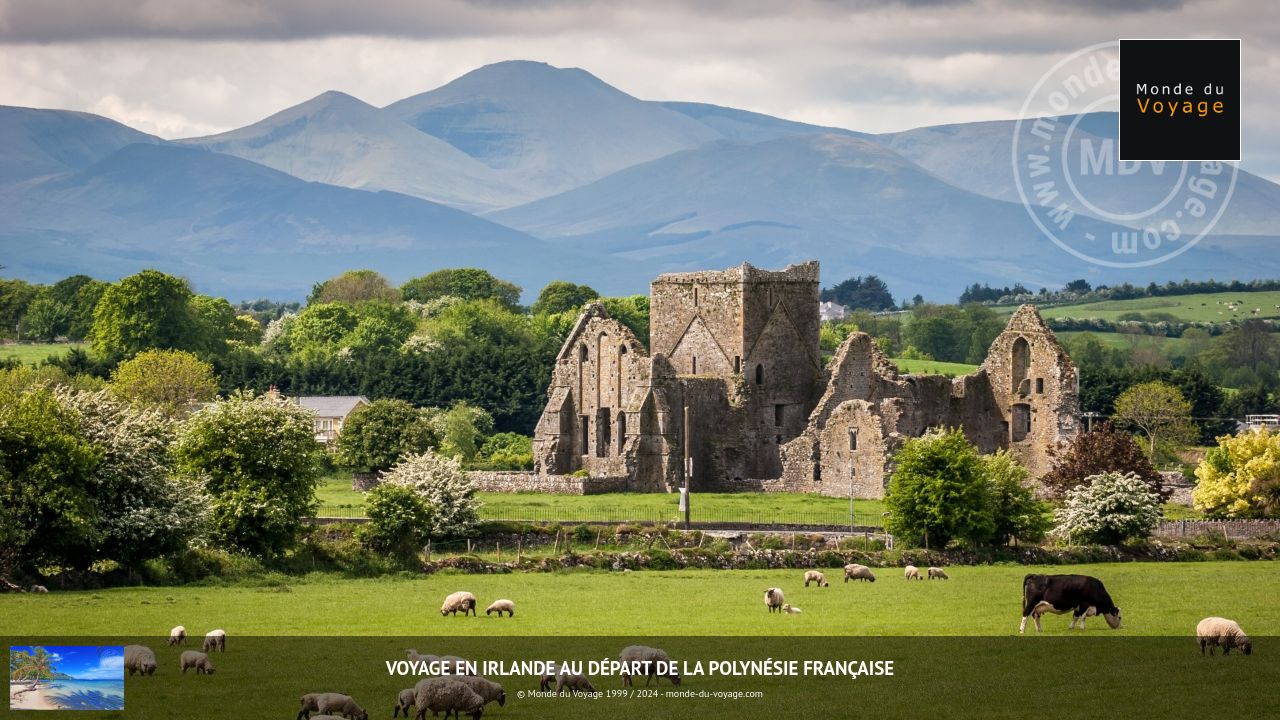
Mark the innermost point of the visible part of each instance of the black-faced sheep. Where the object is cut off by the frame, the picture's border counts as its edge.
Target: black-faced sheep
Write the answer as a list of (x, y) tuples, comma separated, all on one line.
[(937, 573), (215, 640), (1214, 632), (650, 657), (449, 695), (815, 576), (139, 659), (773, 599), (501, 606), (404, 701), (177, 636), (854, 571), (461, 601), (911, 572), (197, 660), (331, 703)]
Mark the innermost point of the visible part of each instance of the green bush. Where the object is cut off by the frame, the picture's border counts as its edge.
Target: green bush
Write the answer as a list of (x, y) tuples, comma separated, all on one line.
[(399, 520), (939, 492)]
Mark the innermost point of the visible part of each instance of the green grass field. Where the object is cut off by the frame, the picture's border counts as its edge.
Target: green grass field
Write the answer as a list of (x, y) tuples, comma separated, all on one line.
[(32, 353), (1167, 346), (1204, 307), (934, 367)]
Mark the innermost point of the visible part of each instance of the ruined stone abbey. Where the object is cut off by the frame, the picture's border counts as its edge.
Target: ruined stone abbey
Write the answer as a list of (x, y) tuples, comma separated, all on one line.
[(736, 352)]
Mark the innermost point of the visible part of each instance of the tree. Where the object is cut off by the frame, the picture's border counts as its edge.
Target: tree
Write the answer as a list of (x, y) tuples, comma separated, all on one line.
[(257, 458), (46, 317), (353, 287), (15, 296), (144, 311), (464, 283), (1016, 511), (869, 293), (506, 451), (1111, 509), (939, 491), (1159, 411), (377, 435), (1078, 286), (400, 521), (462, 430), (171, 381), (445, 490), (560, 296), (632, 311), (320, 328), (1104, 449), (1240, 478)]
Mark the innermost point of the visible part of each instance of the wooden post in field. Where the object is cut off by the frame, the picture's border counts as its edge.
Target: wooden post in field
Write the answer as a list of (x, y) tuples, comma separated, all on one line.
[(498, 547), (468, 546), (519, 549), (598, 533)]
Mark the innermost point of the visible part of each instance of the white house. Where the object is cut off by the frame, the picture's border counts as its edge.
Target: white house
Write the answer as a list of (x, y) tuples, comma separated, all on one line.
[(331, 412)]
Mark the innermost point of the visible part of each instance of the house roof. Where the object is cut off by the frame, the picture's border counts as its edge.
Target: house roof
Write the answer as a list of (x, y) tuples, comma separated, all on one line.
[(332, 406)]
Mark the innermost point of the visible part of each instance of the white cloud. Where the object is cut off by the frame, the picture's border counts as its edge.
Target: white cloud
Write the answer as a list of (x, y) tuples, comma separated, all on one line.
[(110, 667)]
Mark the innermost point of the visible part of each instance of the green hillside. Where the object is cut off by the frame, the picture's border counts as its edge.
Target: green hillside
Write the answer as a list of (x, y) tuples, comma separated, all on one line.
[(1204, 307), (32, 353)]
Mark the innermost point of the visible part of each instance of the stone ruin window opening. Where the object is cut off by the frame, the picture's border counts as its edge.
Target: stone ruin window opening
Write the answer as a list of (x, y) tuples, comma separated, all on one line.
[(779, 413), (695, 296), (604, 426), (583, 354), (1021, 421), (737, 363), (759, 374), (585, 431), (622, 430), (1020, 364), (695, 364), (1039, 386), (853, 439)]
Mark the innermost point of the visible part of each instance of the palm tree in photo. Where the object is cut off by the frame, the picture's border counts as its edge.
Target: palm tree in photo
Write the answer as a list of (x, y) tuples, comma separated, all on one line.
[(35, 666)]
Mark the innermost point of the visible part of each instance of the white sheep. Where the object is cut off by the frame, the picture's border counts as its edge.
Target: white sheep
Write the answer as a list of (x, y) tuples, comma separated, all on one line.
[(574, 683), (177, 636), (215, 640), (139, 659), (815, 576), (1213, 632), (501, 606), (331, 703), (403, 702), (39, 589), (447, 694), (453, 665), (911, 572), (650, 656), (791, 609), (773, 599), (937, 573), (853, 571), (197, 660), (484, 687), (460, 601)]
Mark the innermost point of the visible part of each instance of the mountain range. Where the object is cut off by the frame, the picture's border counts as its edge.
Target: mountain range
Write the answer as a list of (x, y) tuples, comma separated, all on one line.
[(540, 173)]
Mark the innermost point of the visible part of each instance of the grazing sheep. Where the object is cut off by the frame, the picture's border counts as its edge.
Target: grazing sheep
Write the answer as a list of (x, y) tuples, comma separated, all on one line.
[(937, 573), (911, 572), (447, 694), (215, 639), (403, 702), (39, 589), (858, 572), (484, 687), (139, 659), (651, 657), (460, 601), (177, 636), (815, 576), (501, 606), (574, 684), (1213, 632), (553, 671), (197, 660), (453, 665), (415, 657), (791, 609), (773, 599), (331, 703)]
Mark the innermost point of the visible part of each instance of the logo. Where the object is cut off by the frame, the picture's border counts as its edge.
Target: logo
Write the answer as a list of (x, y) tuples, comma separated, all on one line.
[(1082, 196)]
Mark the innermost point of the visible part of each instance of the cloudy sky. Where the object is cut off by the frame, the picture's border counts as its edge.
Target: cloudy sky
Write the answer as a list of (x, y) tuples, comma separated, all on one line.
[(178, 68)]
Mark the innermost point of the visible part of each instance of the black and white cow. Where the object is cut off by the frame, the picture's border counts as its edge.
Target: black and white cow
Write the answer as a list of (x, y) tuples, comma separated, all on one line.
[(1080, 595)]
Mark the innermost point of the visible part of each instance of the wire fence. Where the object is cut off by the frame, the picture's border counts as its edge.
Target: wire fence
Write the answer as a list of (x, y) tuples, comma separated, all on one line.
[(650, 516)]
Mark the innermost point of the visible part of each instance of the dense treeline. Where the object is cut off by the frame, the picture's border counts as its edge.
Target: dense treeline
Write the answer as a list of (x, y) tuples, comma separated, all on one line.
[(1080, 291)]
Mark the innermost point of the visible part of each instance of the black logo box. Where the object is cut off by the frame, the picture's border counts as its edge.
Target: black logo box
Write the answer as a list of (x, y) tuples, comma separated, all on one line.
[(1185, 67)]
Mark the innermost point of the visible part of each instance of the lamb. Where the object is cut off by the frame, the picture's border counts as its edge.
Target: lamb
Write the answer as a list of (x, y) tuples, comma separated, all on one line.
[(447, 694), (651, 657), (773, 599), (815, 576), (405, 701), (1213, 632), (937, 573), (484, 687), (574, 683), (197, 660), (215, 639), (459, 601), (858, 572), (139, 659), (501, 606), (911, 572), (177, 636), (331, 703), (791, 609)]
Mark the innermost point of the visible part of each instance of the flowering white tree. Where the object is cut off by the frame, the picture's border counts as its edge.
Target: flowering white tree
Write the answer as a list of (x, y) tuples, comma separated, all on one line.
[(444, 487), (1109, 509)]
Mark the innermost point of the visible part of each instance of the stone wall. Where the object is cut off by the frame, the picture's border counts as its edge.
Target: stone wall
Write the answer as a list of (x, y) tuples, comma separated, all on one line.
[(530, 481), (1232, 529)]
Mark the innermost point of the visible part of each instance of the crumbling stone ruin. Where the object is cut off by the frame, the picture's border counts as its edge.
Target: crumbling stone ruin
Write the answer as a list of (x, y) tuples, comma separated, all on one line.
[(736, 352)]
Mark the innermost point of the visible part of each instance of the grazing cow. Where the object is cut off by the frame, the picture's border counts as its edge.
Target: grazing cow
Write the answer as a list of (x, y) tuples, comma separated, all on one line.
[(1081, 595)]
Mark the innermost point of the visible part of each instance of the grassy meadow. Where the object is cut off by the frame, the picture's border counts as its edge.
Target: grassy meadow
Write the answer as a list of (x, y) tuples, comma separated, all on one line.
[(933, 367), (1202, 307), (32, 353)]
